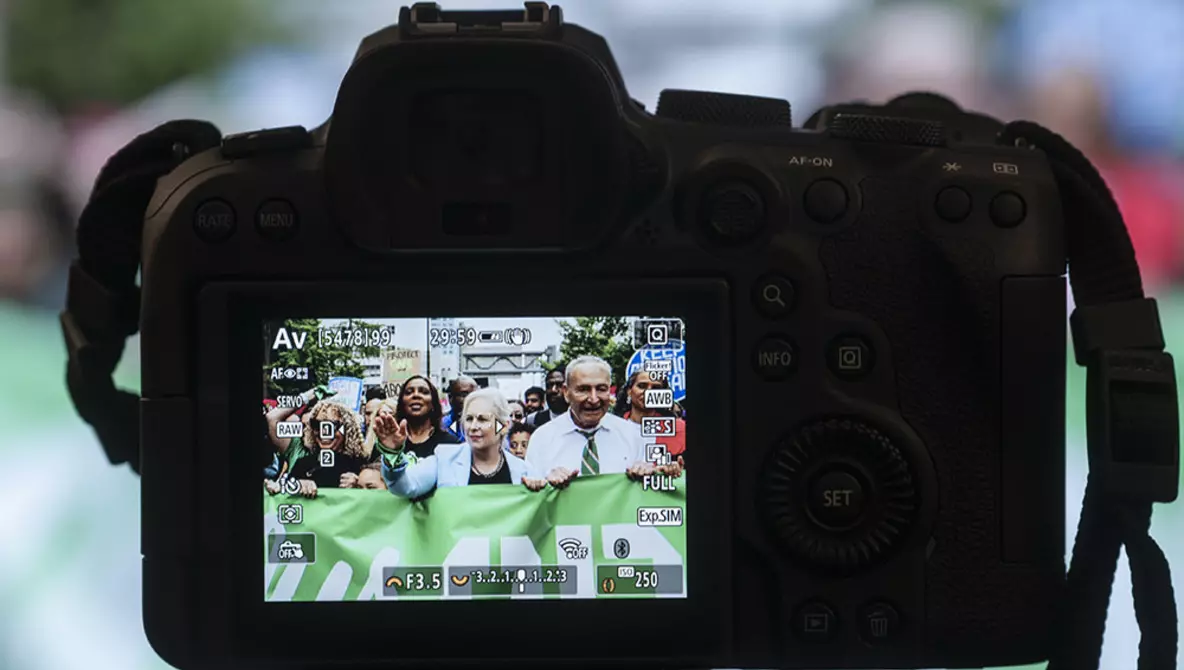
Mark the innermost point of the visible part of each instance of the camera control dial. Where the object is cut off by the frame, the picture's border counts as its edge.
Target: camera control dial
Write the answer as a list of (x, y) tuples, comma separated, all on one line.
[(837, 495), (887, 129), (723, 109)]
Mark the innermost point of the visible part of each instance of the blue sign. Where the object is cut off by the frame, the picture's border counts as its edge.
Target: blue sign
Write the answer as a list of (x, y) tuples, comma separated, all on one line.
[(670, 360), (349, 392)]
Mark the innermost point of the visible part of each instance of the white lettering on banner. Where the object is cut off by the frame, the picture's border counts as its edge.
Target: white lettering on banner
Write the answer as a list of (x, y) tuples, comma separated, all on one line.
[(468, 551), (585, 566), (520, 551), (644, 543), (336, 582)]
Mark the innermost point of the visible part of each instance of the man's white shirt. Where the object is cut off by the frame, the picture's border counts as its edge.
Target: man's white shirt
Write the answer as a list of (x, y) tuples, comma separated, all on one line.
[(558, 443)]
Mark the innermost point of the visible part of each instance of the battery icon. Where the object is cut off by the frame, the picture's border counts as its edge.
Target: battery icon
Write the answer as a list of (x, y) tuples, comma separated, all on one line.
[(489, 336)]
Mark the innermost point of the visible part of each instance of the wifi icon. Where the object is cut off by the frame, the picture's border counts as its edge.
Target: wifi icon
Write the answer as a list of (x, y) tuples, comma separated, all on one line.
[(573, 549)]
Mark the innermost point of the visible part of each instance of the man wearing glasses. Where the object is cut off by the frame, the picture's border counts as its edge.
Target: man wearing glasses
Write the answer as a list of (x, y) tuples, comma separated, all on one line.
[(588, 439)]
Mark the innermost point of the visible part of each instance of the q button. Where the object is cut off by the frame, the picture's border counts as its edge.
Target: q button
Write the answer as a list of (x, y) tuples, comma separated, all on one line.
[(773, 296)]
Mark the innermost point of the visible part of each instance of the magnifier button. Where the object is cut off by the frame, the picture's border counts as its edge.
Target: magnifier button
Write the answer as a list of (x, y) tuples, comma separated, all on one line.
[(773, 297)]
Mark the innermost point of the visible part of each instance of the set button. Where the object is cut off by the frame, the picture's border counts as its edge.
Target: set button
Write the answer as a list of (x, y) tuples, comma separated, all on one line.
[(835, 499)]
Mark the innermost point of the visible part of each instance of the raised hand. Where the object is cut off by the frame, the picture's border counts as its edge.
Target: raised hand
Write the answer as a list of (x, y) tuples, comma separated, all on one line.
[(322, 391), (392, 433), (534, 484), (673, 470), (560, 477), (640, 469)]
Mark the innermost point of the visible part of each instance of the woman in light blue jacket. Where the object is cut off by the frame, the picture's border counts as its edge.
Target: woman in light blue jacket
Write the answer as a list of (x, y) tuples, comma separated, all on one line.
[(480, 460)]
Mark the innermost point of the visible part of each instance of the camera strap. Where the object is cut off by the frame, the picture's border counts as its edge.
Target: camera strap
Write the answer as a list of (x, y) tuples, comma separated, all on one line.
[(1133, 425), (1133, 434), (102, 298)]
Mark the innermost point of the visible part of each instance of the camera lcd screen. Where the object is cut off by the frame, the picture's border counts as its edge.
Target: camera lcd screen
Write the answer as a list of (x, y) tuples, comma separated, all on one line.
[(474, 458)]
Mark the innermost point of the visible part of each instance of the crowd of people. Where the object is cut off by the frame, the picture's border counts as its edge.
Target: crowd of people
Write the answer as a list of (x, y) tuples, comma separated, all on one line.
[(581, 424)]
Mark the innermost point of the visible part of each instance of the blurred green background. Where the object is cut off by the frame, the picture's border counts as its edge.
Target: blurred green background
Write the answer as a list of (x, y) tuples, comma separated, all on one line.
[(82, 77)]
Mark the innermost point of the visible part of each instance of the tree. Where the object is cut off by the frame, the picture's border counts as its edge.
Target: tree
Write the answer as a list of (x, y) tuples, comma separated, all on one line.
[(609, 337), (78, 54), (324, 357)]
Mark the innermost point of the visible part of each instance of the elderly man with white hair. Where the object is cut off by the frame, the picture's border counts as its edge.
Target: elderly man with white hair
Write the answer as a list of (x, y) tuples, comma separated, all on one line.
[(588, 439)]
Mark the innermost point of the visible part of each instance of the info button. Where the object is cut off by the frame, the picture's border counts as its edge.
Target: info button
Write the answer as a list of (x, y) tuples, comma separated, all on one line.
[(774, 358)]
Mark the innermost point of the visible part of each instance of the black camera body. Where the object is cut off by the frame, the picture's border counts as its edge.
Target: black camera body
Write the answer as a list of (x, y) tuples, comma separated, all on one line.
[(878, 464)]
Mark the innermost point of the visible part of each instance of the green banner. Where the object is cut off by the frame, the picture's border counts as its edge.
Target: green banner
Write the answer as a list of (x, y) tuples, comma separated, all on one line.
[(603, 536)]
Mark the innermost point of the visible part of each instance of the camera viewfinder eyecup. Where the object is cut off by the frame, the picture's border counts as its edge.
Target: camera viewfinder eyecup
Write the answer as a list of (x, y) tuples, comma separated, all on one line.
[(452, 132)]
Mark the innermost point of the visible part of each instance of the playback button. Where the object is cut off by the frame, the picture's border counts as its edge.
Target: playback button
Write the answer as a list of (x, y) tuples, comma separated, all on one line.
[(814, 622)]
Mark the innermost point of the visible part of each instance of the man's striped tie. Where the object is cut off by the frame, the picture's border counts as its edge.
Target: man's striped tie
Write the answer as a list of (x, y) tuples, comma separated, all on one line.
[(590, 463)]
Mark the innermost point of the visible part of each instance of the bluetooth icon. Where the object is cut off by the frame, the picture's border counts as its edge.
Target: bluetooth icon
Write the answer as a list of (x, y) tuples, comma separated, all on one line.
[(621, 548)]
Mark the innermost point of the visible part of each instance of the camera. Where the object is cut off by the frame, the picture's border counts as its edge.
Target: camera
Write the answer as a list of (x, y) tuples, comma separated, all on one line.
[(871, 307)]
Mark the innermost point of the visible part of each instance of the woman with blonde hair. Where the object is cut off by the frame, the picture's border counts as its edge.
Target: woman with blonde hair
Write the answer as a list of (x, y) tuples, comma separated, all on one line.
[(479, 460)]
